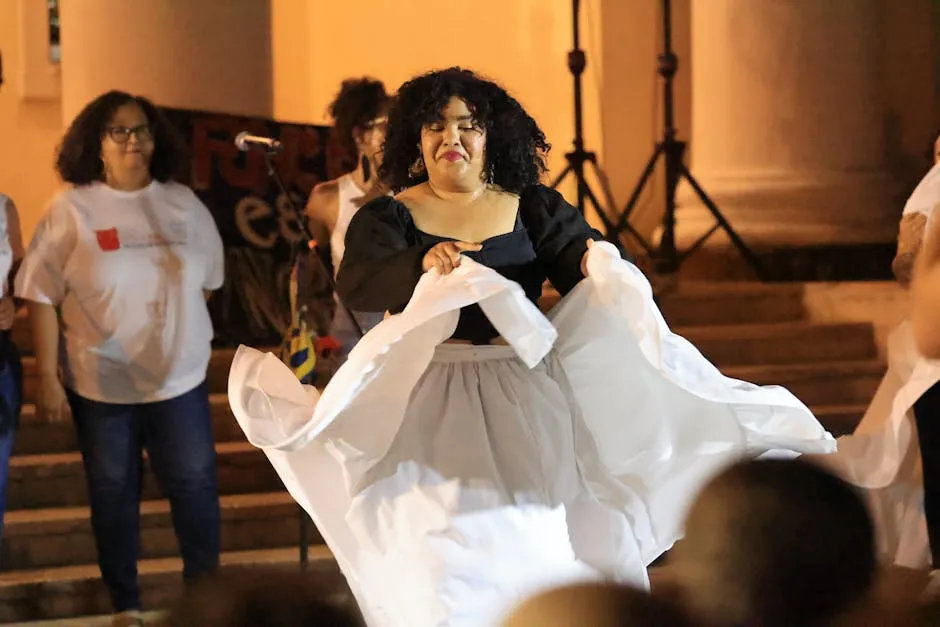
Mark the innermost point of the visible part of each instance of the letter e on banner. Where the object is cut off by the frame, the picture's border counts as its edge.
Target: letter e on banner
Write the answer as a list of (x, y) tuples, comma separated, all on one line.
[(248, 211)]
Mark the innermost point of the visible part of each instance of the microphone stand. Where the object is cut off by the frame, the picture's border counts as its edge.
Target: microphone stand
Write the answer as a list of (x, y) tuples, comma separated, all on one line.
[(314, 247), (311, 242)]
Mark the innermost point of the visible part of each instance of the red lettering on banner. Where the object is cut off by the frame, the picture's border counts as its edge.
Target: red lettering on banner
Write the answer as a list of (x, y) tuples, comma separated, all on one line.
[(206, 148)]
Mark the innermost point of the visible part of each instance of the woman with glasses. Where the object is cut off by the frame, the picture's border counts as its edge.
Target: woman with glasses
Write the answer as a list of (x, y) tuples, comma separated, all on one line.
[(116, 276), (358, 113)]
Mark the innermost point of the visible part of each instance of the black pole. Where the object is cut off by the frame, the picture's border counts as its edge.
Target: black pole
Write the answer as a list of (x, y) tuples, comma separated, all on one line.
[(311, 245), (668, 66), (577, 61)]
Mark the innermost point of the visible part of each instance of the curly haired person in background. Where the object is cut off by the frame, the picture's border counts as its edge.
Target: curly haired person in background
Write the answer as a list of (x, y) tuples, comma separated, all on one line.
[(359, 114)]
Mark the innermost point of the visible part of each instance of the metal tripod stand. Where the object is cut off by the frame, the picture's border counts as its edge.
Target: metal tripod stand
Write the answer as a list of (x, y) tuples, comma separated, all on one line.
[(308, 243), (579, 157), (667, 257)]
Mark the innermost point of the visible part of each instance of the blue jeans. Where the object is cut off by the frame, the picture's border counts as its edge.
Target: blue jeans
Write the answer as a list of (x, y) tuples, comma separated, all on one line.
[(11, 401), (177, 435)]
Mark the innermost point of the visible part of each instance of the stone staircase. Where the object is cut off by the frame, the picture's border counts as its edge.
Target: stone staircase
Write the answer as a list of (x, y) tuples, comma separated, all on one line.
[(47, 560)]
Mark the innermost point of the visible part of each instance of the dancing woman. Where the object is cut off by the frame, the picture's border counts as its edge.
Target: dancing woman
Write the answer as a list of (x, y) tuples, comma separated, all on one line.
[(471, 450)]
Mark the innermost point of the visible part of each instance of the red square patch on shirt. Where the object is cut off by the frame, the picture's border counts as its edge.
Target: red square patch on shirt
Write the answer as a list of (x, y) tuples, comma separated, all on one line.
[(108, 239)]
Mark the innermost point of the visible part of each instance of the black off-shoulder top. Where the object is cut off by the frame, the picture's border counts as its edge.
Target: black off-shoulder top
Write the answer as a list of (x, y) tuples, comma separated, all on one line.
[(384, 250)]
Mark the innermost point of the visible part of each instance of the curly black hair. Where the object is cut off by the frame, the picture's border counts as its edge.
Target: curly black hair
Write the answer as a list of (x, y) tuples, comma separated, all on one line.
[(516, 147), (78, 158), (359, 101)]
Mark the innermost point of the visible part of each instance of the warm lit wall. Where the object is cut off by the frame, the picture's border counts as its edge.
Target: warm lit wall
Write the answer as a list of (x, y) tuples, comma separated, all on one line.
[(909, 79), (287, 57), (207, 55), (523, 44), (29, 128), (910, 76)]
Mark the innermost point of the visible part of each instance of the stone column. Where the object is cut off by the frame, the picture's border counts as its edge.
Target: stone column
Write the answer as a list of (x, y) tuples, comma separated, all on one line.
[(787, 123), (210, 55)]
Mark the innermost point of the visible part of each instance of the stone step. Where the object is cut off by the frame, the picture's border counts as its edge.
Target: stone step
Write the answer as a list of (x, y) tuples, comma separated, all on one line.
[(36, 437), (783, 343), (66, 592), (840, 419), (101, 620), (732, 303), (822, 383), (219, 365), (720, 303), (46, 538), (58, 479)]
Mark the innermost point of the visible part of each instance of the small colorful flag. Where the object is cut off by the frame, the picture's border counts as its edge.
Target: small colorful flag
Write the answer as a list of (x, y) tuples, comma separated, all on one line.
[(299, 350)]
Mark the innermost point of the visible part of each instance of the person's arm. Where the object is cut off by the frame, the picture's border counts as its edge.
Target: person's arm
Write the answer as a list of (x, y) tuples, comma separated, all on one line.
[(910, 237), (382, 264), (45, 323), (41, 282), (925, 294), (559, 234), (321, 210), (211, 241), (11, 253)]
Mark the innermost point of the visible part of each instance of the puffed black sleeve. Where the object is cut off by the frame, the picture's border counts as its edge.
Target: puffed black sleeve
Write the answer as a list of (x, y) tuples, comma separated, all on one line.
[(382, 262), (559, 233)]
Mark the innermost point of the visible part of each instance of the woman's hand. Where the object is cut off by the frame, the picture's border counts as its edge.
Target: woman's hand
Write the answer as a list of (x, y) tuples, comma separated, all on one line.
[(446, 256), (584, 257), (51, 404), (7, 312)]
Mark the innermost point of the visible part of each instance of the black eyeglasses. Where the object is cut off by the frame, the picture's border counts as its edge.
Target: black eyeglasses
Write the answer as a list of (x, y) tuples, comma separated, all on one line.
[(378, 123), (122, 134)]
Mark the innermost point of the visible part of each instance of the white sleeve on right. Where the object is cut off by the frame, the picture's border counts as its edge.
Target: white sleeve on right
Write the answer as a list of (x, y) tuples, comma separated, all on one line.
[(6, 245), (41, 277)]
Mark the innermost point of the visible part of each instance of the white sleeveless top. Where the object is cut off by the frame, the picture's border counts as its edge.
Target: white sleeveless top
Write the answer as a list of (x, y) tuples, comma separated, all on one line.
[(348, 193)]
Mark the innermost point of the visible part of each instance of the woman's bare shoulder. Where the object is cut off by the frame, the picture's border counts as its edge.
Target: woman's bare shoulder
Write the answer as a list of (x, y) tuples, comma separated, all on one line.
[(323, 198)]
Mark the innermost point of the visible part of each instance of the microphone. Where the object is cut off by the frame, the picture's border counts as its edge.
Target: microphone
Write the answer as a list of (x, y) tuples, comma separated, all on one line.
[(245, 141)]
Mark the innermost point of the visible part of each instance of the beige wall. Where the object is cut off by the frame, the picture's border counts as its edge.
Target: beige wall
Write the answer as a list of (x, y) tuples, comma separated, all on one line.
[(522, 44), (203, 55), (909, 73), (909, 53), (286, 58), (29, 128)]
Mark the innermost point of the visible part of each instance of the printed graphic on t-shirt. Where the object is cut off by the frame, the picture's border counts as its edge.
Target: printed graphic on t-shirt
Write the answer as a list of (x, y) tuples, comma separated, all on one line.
[(174, 233), (108, 239)]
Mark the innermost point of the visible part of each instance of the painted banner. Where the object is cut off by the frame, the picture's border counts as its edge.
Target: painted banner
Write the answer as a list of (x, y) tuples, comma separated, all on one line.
[(258, 228)]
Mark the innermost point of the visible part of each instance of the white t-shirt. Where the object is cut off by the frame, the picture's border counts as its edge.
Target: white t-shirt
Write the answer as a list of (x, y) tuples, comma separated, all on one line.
[(926, 195), (127, 270), (11, 241)]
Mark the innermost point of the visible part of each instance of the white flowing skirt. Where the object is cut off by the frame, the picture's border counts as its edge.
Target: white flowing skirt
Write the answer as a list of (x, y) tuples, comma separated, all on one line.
[(883, 458), (452, 481)]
